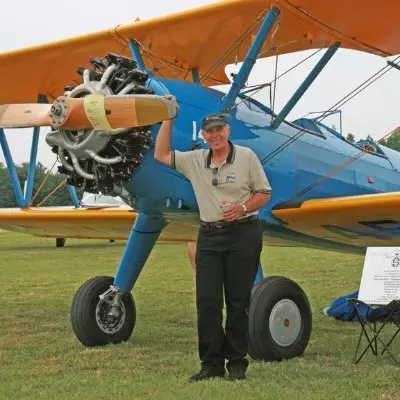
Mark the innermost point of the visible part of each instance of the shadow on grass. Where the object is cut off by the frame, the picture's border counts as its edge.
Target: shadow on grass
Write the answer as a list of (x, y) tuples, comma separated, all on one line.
[(76, 246), (67, 247)]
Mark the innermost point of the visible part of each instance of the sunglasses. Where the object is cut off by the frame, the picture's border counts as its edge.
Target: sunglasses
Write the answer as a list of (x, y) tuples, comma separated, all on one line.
[(215, 177)]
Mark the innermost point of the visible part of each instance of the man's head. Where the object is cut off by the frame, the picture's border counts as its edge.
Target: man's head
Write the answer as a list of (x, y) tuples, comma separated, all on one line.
[(216, 131)]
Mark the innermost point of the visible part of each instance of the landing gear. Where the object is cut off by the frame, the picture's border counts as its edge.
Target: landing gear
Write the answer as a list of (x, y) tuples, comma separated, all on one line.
[(280, 320), (103, 310), (100, 314)]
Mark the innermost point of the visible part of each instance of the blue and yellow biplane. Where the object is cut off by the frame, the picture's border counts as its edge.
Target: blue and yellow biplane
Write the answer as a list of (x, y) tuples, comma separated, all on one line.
[(326, 191)]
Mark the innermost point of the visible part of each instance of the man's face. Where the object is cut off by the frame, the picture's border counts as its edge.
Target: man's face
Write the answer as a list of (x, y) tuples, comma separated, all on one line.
[(217, 138)]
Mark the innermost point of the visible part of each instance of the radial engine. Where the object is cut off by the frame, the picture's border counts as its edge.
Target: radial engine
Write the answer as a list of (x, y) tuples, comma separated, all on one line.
[(99, 161)]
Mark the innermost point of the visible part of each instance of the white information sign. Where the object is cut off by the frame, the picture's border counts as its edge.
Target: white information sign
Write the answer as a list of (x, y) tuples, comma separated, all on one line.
[(380, 281)]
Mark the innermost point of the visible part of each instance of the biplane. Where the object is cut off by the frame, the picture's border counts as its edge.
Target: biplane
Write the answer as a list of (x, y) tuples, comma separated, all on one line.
[(326, 191)]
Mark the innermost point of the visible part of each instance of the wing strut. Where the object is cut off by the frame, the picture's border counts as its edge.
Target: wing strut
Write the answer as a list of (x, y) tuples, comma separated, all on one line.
[(137, 56), (12, 173), (241, 77), (32, 162), (306, 84)]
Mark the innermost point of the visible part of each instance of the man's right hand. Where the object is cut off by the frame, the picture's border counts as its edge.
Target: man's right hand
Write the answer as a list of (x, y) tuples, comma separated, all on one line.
[(162, 151), (173, 98)]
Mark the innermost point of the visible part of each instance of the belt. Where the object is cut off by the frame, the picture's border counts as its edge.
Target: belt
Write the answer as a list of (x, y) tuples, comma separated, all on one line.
[(222, 224)]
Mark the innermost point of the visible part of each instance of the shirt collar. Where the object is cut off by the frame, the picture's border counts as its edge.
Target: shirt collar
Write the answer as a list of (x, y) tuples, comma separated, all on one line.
[(229, 159)]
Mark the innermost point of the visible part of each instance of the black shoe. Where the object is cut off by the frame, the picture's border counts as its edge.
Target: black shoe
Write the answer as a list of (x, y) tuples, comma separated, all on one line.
[(237, 373), (207, 373)]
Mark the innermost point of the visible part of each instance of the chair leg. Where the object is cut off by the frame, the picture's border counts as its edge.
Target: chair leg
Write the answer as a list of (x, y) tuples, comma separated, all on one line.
[(370, 342), (357, 348), (391, 340), (375, 349), (386, 345)]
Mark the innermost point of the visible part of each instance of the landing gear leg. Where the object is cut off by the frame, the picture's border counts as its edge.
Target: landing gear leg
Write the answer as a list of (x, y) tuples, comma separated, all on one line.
[(60, 242)]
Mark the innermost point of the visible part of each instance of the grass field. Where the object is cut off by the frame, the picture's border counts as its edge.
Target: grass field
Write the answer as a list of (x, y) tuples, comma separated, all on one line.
[(40, 357)]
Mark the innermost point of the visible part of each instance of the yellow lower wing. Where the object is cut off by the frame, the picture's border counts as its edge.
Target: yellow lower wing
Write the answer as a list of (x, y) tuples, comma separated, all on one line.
[(368, 220), (371, 220), (65, 222)]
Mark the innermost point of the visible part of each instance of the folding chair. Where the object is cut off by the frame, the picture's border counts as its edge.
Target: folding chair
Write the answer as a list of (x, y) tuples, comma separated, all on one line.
[(378, 304), (373, 325)]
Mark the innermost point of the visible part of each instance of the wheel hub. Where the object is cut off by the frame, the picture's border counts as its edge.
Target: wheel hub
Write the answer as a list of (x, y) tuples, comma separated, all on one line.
[(109, 316), (285, 322)]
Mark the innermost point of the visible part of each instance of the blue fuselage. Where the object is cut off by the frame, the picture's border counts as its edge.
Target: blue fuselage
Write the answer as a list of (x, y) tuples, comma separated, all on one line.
[(296, 173)]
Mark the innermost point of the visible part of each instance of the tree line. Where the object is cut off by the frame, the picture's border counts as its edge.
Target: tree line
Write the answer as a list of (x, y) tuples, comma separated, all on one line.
[(60, 198), (393, 141)]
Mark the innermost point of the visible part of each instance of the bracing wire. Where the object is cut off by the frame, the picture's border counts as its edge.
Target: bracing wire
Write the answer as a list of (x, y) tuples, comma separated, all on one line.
[(335, 170), (368, 82), (261, 86), (43, 182), (277, 30), (235, 45), (354, 158), (326, 113), (52, 192)]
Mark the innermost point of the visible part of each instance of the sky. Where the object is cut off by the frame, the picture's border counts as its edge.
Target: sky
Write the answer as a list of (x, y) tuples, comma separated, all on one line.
[(374, 112)]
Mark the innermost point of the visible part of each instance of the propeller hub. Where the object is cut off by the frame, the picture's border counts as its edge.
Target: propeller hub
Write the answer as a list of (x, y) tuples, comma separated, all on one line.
[(59, 111)]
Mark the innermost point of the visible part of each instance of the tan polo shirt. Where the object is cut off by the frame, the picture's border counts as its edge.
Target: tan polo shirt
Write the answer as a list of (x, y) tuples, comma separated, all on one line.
[(239, 178)]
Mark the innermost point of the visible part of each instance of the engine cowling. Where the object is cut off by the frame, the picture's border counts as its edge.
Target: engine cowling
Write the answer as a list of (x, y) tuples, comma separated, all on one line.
[(100, 161)]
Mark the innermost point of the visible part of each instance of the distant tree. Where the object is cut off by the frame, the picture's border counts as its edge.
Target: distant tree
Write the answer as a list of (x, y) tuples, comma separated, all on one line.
[(392, 142), (60, 198), (370, 138), (7, 198), (350, 138)]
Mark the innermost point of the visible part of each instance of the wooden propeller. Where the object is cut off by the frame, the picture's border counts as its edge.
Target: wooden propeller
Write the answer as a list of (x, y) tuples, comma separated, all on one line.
[(93, 111)]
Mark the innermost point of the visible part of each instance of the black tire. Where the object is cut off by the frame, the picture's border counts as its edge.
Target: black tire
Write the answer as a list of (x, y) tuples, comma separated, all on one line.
[(87, 311), (60, 242), (255, 287), (251, 350), (280, 298)]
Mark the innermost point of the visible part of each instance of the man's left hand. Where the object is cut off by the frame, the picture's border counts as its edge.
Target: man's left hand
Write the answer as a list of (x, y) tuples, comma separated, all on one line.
[(232, 213)]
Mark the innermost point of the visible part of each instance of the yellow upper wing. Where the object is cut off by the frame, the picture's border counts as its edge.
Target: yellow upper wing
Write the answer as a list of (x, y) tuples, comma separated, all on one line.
[(176, 43)]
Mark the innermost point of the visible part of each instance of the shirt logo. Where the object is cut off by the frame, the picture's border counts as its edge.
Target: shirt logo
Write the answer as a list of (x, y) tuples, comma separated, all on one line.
[(230, 179)]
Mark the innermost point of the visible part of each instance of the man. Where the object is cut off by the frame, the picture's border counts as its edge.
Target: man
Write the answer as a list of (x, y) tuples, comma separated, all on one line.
[(230, 186), (191, 250)]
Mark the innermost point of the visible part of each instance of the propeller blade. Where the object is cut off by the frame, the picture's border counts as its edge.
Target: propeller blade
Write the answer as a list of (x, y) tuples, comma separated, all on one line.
[(24, 115), (112, 112), (93, 111)]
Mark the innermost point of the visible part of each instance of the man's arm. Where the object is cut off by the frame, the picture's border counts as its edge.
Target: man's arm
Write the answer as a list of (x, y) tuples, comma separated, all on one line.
[(257, 201), (162, 150)]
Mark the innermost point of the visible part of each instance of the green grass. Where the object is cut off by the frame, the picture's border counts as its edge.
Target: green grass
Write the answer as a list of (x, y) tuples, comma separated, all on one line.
[(41, 359)]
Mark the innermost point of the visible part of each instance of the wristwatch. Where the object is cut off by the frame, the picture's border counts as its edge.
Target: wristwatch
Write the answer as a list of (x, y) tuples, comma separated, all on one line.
[(244, 208)]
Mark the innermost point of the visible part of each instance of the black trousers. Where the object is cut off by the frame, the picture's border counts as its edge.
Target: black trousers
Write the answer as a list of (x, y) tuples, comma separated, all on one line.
[(227, 260)]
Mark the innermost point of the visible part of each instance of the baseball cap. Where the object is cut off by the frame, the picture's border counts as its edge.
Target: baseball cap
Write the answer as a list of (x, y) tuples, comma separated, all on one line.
[(212, 121)]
